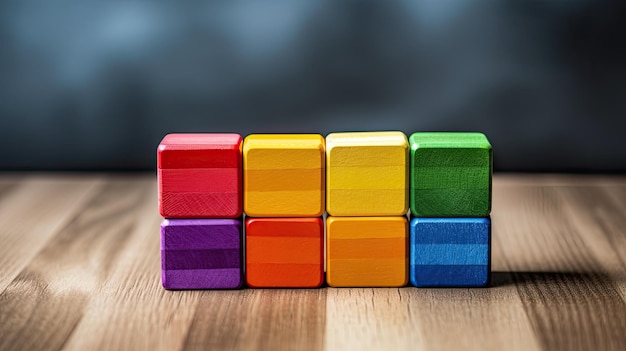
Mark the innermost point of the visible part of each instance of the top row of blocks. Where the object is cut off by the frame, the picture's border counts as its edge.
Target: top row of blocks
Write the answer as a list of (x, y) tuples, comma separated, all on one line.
[(353, 174)]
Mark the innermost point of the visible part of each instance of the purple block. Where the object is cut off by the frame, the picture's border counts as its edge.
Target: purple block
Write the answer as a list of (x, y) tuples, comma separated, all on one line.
[(201, 253)]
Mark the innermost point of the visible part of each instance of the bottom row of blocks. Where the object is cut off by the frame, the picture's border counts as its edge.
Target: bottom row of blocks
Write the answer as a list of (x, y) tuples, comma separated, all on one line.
[(361, 252)]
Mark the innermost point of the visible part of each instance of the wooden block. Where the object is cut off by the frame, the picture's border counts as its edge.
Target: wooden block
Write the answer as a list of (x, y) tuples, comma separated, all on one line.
[(366, 251), (199, 176), (367, 174), (450, 252), (201, 253), (284, 252), (450, 175), (284, 175)]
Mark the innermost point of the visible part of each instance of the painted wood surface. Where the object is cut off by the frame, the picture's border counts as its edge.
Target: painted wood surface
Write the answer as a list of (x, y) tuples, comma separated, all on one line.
[(201, 254), (367, 174), (284, 252), (199, 176), (284, 175), (450, 252), (450, 174), (80, 270), (366, 251)]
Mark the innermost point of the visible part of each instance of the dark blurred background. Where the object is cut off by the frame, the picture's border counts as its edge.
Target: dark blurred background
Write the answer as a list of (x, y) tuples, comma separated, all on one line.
[(95, 84)]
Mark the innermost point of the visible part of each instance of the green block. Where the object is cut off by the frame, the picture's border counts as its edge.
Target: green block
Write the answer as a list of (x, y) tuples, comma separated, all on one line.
[(450, 174)]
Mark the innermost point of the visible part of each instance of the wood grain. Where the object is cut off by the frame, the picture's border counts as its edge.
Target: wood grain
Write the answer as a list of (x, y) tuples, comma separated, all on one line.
[(256, 319), (80, 269), (32, 212)]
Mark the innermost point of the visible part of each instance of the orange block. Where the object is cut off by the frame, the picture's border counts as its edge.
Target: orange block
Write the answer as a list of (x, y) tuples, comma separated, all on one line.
[(366, 251), (284, 252)]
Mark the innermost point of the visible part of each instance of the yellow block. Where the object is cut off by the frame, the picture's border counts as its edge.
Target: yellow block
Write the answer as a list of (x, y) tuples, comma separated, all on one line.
[(366, 251), (283, 175), (367, 174)]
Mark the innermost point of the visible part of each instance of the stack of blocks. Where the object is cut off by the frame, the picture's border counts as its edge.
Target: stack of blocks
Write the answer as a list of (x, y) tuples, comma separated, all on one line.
[(450, 196), (367, 203), (200, 196), (285, 182), (283, 193)]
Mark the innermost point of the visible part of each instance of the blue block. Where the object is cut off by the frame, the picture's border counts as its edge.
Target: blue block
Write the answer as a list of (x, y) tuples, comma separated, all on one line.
[(450, 252)]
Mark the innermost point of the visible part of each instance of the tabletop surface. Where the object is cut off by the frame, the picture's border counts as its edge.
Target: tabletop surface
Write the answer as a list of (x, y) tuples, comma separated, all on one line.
[(80, 270)]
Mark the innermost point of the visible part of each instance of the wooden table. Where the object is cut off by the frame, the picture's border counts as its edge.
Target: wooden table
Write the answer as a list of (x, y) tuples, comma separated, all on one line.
[(80, 270)]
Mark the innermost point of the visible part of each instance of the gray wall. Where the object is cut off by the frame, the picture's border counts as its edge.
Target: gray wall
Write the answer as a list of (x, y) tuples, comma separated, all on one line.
[(95, 84)]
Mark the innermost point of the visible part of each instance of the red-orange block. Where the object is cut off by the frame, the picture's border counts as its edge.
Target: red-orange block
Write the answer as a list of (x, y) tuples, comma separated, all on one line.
[(284, 252), (199, 176)]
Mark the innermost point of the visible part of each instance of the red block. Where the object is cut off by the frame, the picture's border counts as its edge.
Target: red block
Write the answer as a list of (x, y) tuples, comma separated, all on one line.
[(284, 252), (199, 176)]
